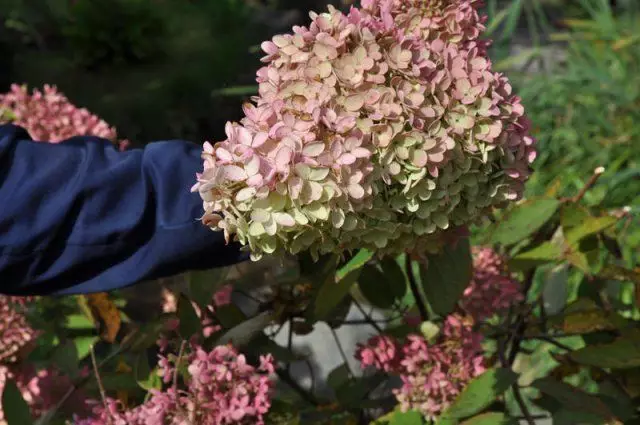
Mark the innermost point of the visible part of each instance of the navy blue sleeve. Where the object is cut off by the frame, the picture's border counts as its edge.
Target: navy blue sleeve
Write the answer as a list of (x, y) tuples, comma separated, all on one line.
[(81, 217)]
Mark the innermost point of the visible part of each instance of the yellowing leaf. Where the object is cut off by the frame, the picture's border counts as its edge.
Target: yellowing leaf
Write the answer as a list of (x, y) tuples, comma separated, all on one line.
[(105, 315)]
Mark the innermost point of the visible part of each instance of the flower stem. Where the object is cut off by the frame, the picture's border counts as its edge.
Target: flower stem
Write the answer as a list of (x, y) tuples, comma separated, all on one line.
[(422, 308)]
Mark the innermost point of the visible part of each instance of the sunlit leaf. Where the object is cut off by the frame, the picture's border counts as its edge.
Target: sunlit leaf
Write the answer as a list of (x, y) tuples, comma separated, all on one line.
[(480, 393), (547, 252), (410, 417), (588, 227), (360, 259), (523, 220), (490, 418)]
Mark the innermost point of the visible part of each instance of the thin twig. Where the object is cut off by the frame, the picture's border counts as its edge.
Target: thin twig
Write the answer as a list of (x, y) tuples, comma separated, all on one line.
[(103, 393), (367, 318), (422, 308), (176, 370), (523, 407), (306, 395), (176, 373), (588, 185), (342, 353)]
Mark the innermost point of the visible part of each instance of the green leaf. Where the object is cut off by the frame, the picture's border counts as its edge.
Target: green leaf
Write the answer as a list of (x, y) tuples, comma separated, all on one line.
[(331, 294), (338, 376), (490, 418), (360, 259), (446, 275), (65, 358), (203, 284), (146, 377), (394, 275), (410, 417), (544, 253), (583, 316), (190, 323), (79, 321), (16, 409), (83, 345), (523, 220), (243, 333), (573, 398), (480, 393), (377, 289), (588, 227), (623, 353)]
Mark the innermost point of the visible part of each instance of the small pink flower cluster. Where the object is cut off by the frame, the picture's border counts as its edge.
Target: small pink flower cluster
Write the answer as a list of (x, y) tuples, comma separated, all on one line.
[(492, 290), (41, 389), (16, 333), (380, 128), (222, 389), (48, 115), (432, 374)]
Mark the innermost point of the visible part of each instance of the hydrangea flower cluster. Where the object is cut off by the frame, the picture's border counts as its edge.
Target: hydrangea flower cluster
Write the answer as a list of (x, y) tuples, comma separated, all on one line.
[(492, 289), (41, 389), (48, 115), (16, 333), (222, 389), (432, 374), (380, 128)]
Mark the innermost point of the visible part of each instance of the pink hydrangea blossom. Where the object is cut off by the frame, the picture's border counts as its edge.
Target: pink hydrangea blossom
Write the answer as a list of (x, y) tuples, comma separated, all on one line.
[(49, 115), (16, 334), (222, 389), (381, 128), (492, 290), (41, 388), (432, 374)]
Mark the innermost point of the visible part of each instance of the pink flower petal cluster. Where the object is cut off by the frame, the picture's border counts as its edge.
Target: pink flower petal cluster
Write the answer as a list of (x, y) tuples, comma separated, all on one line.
[(222, 389), (48, 115), (41, 389), (432, 374), (380, 128), (492, 290), (16, 334)]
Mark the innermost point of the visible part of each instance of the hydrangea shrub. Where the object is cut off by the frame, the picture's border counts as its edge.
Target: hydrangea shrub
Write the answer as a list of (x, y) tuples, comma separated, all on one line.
[(222, 388), (380, 128), (432, 372), (48, 115)]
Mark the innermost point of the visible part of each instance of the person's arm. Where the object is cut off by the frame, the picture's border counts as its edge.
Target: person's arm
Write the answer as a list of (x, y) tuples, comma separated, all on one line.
[(80, 217)]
